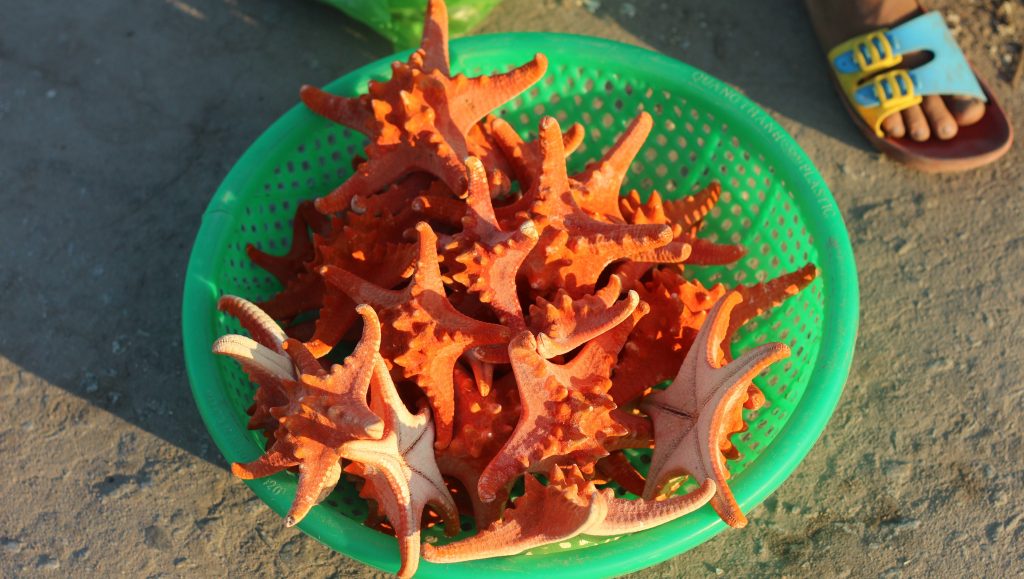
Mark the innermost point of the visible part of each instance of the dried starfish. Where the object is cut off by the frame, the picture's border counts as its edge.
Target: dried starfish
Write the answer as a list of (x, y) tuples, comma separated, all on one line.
[(423, 333), (566, 411), (574, 248), (400, 470), (483, 422), (567, 506), (690, 415), (489, 257), (316, 413), (420, 119), (564, 324)]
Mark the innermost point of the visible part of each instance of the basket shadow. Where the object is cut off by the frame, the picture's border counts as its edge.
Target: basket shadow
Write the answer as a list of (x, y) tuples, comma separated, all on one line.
[(98, 238), (767, 50)]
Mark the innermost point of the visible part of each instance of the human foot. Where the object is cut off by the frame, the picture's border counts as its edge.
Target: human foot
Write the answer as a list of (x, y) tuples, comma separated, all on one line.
[(941, 116)]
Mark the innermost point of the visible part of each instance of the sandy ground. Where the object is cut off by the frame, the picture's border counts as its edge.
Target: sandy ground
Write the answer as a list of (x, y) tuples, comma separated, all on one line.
[(119, 119)]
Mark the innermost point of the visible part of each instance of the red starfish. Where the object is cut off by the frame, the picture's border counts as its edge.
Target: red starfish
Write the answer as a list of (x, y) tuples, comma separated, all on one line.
[(564, 324), (574, 248), (483, 422), (423, 333), (566, 413), (400, 471), (315, 414), (489, 258), (690, 415), (421, 118), (567, 506)]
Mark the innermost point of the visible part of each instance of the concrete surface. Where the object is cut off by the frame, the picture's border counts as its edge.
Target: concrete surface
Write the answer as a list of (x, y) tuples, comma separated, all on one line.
[(118, 120)]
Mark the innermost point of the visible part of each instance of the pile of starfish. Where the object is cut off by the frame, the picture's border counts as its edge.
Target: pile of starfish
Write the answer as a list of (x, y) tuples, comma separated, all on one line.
[(511, 321)]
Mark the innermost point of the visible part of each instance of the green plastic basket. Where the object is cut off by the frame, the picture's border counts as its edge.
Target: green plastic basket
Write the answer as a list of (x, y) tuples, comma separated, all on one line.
[(774, 202)]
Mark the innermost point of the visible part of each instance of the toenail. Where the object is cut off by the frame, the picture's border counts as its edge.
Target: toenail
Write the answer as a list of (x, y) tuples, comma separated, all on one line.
[(918, 134)]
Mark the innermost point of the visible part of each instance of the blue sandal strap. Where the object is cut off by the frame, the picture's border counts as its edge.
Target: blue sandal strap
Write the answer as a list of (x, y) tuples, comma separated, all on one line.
[(948, 73)]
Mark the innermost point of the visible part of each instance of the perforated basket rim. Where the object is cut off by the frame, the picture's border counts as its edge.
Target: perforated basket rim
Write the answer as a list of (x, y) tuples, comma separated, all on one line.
[(629, 553)]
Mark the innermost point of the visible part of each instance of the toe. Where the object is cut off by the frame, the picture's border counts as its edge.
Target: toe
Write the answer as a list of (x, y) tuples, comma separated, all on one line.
[(916, 123), (893, 126), (965, 110), (939, 118)]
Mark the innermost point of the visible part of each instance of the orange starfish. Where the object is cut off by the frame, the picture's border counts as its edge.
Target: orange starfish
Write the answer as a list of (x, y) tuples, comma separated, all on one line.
[(400, 471), (567, 506), (566, 413), (691, 414), (420, 119), (423, 333), (315, 414)]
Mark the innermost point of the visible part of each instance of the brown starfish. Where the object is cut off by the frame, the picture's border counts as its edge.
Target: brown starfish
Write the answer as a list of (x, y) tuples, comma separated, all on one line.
[(691, 414), (402, 475)]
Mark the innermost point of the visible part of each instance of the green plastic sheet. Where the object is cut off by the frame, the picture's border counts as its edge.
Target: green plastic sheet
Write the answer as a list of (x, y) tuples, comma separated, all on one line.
[(401, 21)]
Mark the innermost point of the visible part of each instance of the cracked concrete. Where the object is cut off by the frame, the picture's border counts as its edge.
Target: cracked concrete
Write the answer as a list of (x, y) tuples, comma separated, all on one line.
[(118, 120)]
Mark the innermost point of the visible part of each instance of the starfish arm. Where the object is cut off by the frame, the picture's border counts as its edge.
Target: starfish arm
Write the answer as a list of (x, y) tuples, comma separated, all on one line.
[(270, 463), (370, 177), (260, 326), (354, 113), (360, 290), (617, 468), (639, 431), (302, 294), (336, 317), (466, 472), (359, 365), (434, 45), (689, 211), (428, 273), (586, 322), (303, 359), (317, 478), (630, 516), (552, 180), (471, 99), (707, 253), (762, 297), (542, 515), (293, 264), (263, 365), (602, 180)]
